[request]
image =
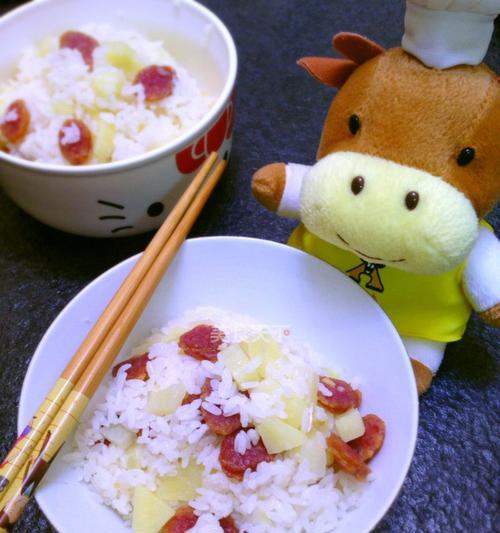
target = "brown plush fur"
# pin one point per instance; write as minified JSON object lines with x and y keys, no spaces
{"x":268,"y":184}
{"x":423,"y":118}
{"x":423,"y":376}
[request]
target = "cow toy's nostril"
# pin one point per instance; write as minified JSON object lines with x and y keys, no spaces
{"x":411,"y":200}
{"x":357,"y":184}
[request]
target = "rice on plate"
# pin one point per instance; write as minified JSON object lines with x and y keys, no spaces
{"x":219,"y":424}
{"x":97,"y":95}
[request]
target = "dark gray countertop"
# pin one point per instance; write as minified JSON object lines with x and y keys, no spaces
{"x":453,"y":481}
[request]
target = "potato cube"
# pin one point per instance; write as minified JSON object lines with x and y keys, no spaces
{"x":119,"y":435}
{"x":294,"y":408}
{"x":104,"y":141}
{"x":278,"y":436}
{"x":314,"y":452}
{"x":150,"y":513}
{"x":121,"y":56}
{"x":349,"y":425}
{"x":182,"y":486}
{"x":106,"y":84}
{"x":236,"y":360}
{"x":131,"y":459}
{"x":174,"y":334}
{"x":264,"y":347}
{"x":62,"y":107}
{"x":164,"y":402}
{"x":46,"y":46}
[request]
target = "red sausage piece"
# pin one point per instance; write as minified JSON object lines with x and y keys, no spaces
{"x":234,"y":464}
{"x":202,"y":342}
{"x":137,"y":370}
{"x":75,"y":141}
{"x":228,"y":525}
{"x":345,"y":458}
{"x":157,"y":80}
{"x":85,"y":44}
{"x":219,"y":424}
{"x":183,"y":520}
{"x":368,"y":445}
{"x":16,"y":121}
{"x":342,"y":398}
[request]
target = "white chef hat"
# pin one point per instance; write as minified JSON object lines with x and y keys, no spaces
{"x":445,"y":33}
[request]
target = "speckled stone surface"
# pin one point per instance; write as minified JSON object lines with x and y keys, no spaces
{"x":453,"y":481}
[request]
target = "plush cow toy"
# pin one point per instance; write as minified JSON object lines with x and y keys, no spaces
{"x":408,"y":166}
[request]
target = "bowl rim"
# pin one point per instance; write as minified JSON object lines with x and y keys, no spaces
{"x":113,"y":167}
{"x":414,"y":401}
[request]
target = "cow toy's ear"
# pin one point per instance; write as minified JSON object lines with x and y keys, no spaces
{"x":356,"y":47}
{"x":334,"y":72}
{"x":328,"y":70}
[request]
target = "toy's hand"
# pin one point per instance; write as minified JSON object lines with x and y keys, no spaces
{"x":268,"y":184}
{"x":423,"y":376}
{"x":492,"y":316}
{"x":277,"y":187}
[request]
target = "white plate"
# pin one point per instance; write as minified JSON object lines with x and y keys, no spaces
{"x":277,"y":285}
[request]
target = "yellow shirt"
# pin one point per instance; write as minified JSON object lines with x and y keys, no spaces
{"x":430,"y":307}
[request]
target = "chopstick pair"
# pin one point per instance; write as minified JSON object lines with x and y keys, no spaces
{"x":38,"y":445}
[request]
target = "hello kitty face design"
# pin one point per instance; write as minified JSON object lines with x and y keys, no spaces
{"x":117,"y":213}
{"x":186,"y":162}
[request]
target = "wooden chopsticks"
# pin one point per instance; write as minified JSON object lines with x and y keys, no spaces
{"x":39,"y":443}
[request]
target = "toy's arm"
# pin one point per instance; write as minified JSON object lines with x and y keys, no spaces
{"x":482,"y":277}
{"x":277,"y":187}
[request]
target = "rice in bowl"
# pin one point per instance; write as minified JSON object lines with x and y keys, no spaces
{"x":63,"y":84}
{"x":162,"y":444}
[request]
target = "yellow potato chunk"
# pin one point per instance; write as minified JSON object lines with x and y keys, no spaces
{"x":119,"y":435}
{"x":131,"y":459}
{"x":182,"y":486}
{"x":62,"y":107}
{"x":294,"y":408}
{"x":314,"y":452}
{"x":150,"y":513}
{"x":278,"y":436}
{"x":104,"y":144}
{"x":46,"y":46}
{"x":236,"y":360}
{"x":174,"y":334}
{"x":349,"y":425}
{"x":264,"y":347}
{"x":107,"y":84}
{"x":121,"y":56}
{"x":164,"y":402}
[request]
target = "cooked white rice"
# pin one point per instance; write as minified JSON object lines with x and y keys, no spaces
{"x":56,"y":85}
{"x":280,"y":496}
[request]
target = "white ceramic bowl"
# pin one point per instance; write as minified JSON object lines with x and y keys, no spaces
{"x":134,"y":195}
{"x":277,"y":285}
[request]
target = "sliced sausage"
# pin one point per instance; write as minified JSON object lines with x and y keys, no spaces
{"x":235,"y":464}
{"x":368,"y":445}
{"x":85,"y":44}
{"x":183,"y":520}
{"x":137,"y":370}
{"x":75,"y":141}
{"x":157,"y":81}
{"x":202,"y":342}
{"x":342,"y":396}
{"x":16,"y":121}
{"x":219,"y":424}
{"x":345,"y":458}
{"x":228,"y":525}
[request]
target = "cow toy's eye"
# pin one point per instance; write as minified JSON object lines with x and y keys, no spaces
{"x":354,"y":124}
{"x":466,"y":156}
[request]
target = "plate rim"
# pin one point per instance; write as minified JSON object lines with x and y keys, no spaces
{"x":414,"y":401}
